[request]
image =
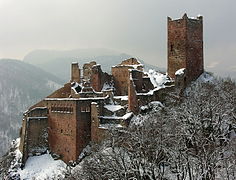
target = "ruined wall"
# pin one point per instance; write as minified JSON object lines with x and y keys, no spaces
{"x":97,"y":78}
{"x":185,"y":46}
{"x":121,"y":75}
{"x":75,"y":73}
{"x":87,"y":70}
{"x":83,"y":125}
{"x":37,"y":135}
{"x":121,"y":79}
{"x":133,"y":104}
{"x":147,"y":84}
{"x":97,"y":134}
{"x":34,"y":135}
{"x":137,"y":77}
{"x":62,"y":121}
{"x":133,"y":63}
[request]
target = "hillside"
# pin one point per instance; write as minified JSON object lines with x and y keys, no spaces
{"x":58,"y":62}
{"x":21,"y":85}
{"x":188,"y":138}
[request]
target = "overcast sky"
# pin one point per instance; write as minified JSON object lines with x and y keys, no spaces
{"x":135,"y":27}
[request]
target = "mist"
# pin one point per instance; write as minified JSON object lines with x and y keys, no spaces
{"x":135,"y":27}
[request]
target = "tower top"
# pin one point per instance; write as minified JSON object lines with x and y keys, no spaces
{"x":185,"y":46}
{"x":185,"y":17}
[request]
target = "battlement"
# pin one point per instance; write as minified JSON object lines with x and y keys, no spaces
{"x":185,"y":17}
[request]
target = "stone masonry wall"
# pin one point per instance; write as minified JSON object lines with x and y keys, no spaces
{"x":121,"y":79}
{"x":185,"y":46}
{"x":75,"y":73}
{"x":62,"y":121}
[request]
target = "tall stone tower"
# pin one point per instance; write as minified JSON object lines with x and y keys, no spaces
{"x":185,"y":46}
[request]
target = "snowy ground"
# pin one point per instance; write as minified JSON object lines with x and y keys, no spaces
{"x":42,"y":167}
{"x":36,"y":167}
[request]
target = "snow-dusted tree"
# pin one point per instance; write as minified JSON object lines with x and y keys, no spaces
{"x":207,"y":117}
{"x":191,"y":139}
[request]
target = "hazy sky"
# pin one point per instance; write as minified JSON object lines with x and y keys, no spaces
{"x":136,"y":27}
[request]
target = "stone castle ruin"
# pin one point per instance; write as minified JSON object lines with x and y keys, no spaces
{"x":93,"y":101}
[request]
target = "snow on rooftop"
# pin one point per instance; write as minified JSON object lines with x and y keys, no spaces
{"x":76,"y":99}
{"x":113,"y":108}
{"x":42,"y":167}
{"x":180,"y":72}
{"x":74,"y":87}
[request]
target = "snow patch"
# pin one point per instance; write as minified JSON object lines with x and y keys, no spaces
{"x":123,"y":98}
{"x":42,"y":167}
{"x":180,"y":72}
{"x":107,"y":86}
{"x":113,"y":108}
{"x":156,"y":78}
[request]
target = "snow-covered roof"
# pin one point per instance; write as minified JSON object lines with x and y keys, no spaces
{"x":76,"y":87}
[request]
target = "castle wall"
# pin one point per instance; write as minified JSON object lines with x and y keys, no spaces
{"x":137,"y":77}
{"x":37,"y":135}
{"x":62,"y":121}
{"x":97,"y":134}
{"x":132,"y":98}
{"x":34,"y":135}
{"x":121,"y":75}
{"x":185,"y":46}
{"x":83,"y":125}
{"x":132,"y":62}
{"x":97,"y":78}
{"x":87,"y":70}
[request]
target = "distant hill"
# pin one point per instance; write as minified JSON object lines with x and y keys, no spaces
{"x":58,"y":62}
{"x":21,"y":85}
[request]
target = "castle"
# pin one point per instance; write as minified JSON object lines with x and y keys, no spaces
{"x":93,"y":101}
